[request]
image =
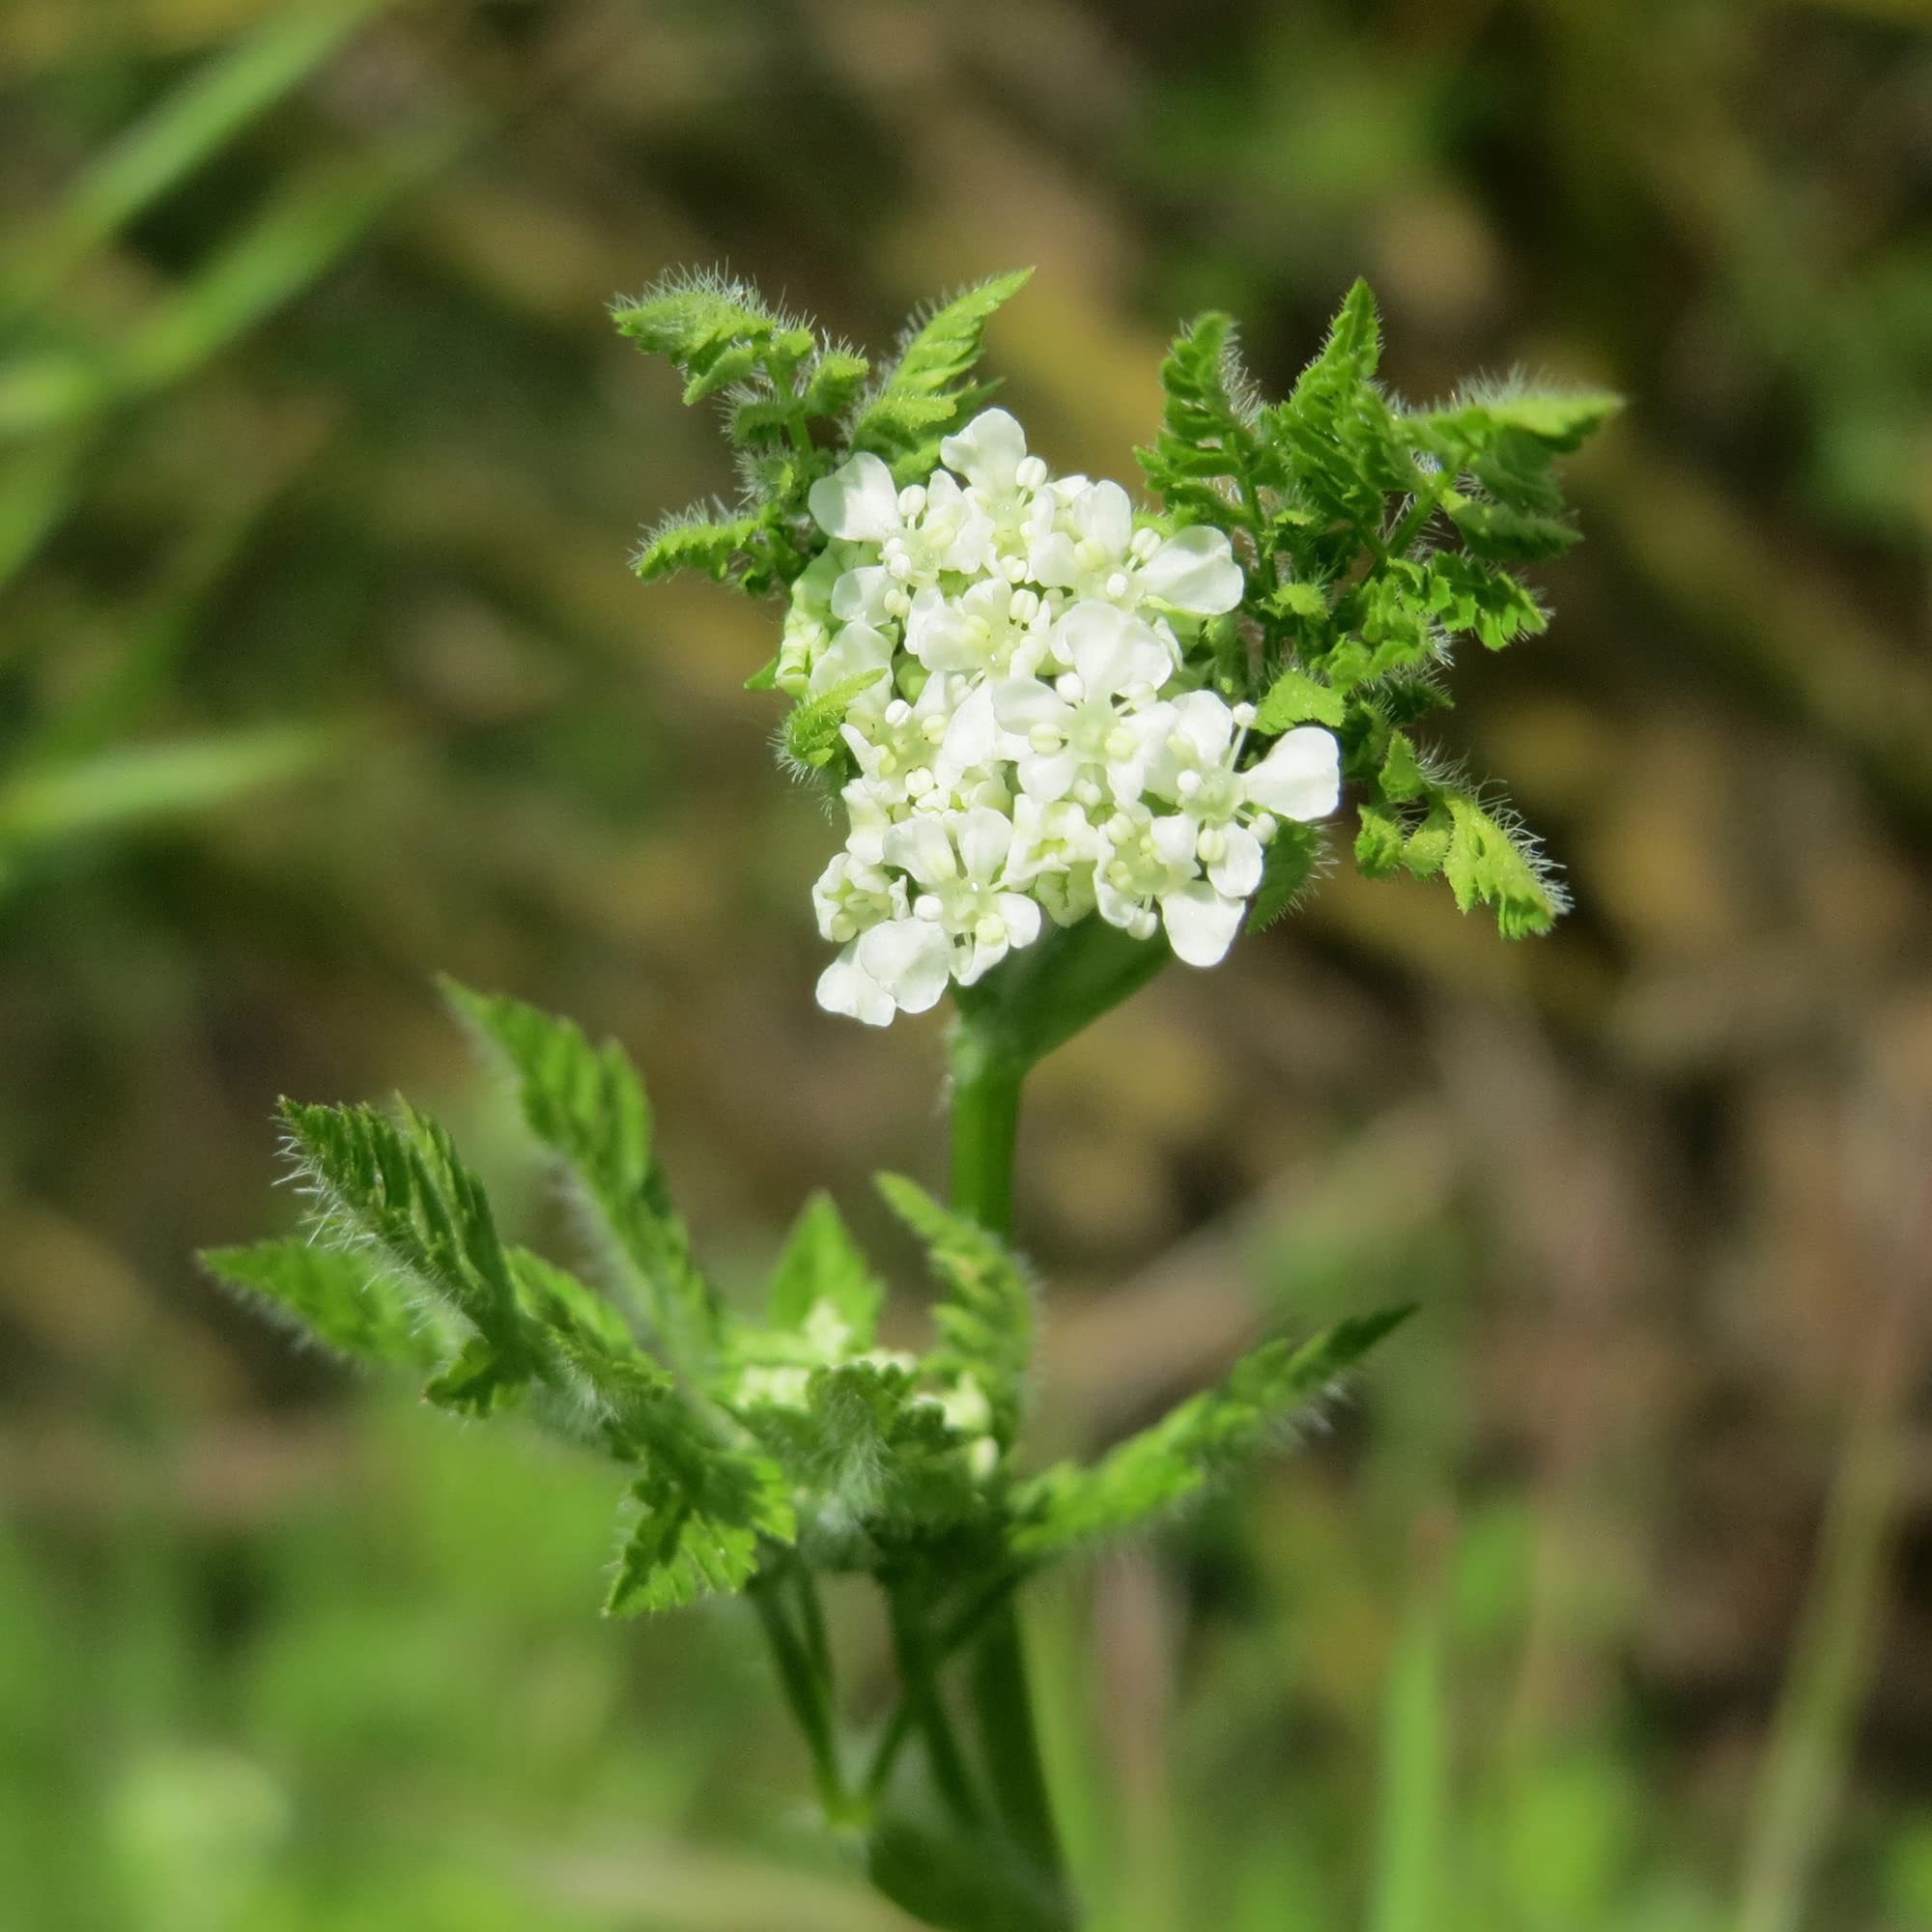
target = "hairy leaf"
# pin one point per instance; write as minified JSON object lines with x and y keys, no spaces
{"x":985,"y":1318}
{"x":1500,"y":867}
{"x":811,"y":727}
{"x":1296,"y":699}
{"x":927,"y":390}
{"x":821,"y":1267}
{"x":689,"y":1540}
{"x":1263,"y":1397}
{"x":588,"y":1106}
{"x":399,"y":1187}
{"x":345,"y":1299}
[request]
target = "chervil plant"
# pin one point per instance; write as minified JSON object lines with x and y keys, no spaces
{"x":1072,"y":740}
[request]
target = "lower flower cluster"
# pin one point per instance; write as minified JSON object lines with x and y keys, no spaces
{"x":1030,"y":738}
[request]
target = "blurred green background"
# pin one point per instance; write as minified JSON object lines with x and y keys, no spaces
{"x":1609,"y":1605}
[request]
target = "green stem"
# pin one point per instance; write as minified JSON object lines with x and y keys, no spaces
{"x":1002,"y":1702}
{"x":985,"y":1129}
{"x":807,"y":1691}
{"x":920,"y":1681}
{"x":963,"y":1627}
{"x":1000,"y":1033}
{"x":1421,"y":508}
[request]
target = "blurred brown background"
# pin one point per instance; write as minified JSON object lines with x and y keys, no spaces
{"x":320,"y":670}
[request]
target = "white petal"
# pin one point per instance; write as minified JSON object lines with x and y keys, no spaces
{"x":1114,"y":905}
{"x":856,"y":648}
{"x":911,"y":958}
{"x":985,"y":838}
{"x":859,"y":501}
{"x":987,"y":451}
{"x":1020,"y":703}
{"x":1201,"y":924}
{"x":1048,"y":778}
{"x":941,"y":635}
{"x":1105,"y":514}
{"x":920,"y":846}
{"x":1126,"y":778}
{"x":1207,"y":722}
{"x":981,"y":959}
{"x":861,"y":594}
{"x":1096,"y":639}
{"x":1174,"y":844}
{"x":1050,"y":561}
{"x":973,"y":733}
{"x":1194,"y":571}
{"x":846,"y":987}
{"x":1238,"y":870}
{"x":1022,"y":917}
{"x":1112,"y":655}
{"x":1301,"y":775}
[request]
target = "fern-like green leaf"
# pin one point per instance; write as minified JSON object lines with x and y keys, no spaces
{"x":588,"y":1106}
{"x":1264,"y":1398}
{"x":1296,"y":699}
{"x":928,"y":390}
{"x":1493,"y":864}
{"x":683,"y":1542}
{"x":821,"y":1268}
{"x":341,"y":1297}
{"x":693,"y":542}
{"x":811,"y":727}
{"x":985,"y":1318}
{"x":399,"y":1187}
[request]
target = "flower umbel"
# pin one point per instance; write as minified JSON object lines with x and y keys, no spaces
{"x":1043,"y":740}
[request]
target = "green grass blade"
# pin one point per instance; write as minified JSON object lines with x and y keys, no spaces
{"x":1408,"y":1876}
{"x":138,"y":782}
{"x":1805,"y":1761}
{"x":179,"y":133}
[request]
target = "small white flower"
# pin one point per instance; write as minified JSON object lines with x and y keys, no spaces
{"x":852,"y":894}
{"x":991,"y":630}
{"x":1055,"y":849}
{"x":1147,"y":863}
{"x":899,"y":967}
{"x":898,"y":745}
{"x":1234,"y":810}
{"x":866,"y":594}
{"x":859,"y":501}
{"x":960,"y":863}
{"x":1081,"y":543}
{"x":1090,"y":547}
{"x":920,"y":530}
{"x":1092,"y":729}
{"x":809,"y":617}
{"x":991,"y":454}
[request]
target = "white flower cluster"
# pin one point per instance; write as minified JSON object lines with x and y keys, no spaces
{"x":1028,"y":736}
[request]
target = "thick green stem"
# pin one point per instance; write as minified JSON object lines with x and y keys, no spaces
{"x":1003,"y":1703}
{"x":985,"y":1129}
{"x":1007,"y":1023}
